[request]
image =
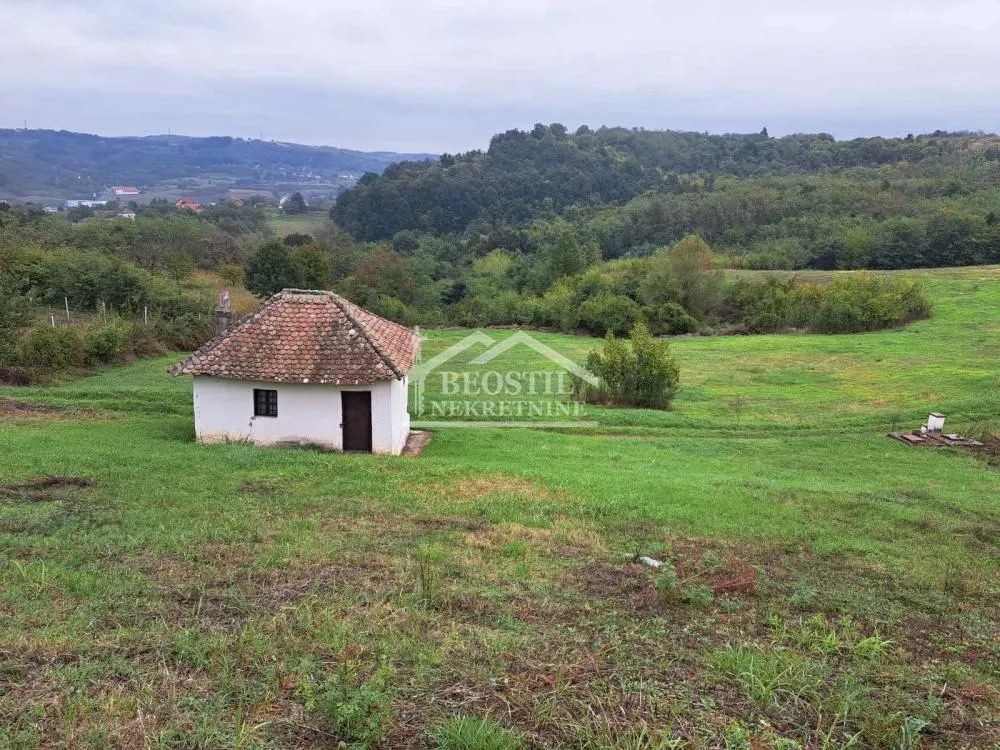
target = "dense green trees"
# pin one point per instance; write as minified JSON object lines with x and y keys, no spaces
{"x":795,"y":202}
{"x":271,"y":269}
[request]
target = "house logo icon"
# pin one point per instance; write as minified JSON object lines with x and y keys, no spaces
{"x":475,"y":394}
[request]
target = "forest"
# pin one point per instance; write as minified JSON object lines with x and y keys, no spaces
{"x":801,"y":201}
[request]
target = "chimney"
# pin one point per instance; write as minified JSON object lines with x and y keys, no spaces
{"x":223,"y":317}
{"x":223,"y":320}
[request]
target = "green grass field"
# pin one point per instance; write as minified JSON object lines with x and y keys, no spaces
{"x":826,"y":588}
{"x":284,"y":224}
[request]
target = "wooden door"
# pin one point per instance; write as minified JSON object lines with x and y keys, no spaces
{"x":357,"y":420}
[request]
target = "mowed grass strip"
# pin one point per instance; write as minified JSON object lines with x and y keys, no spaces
{"x":823,"y":586}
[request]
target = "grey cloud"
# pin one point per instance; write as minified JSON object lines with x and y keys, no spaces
{"x":443,"y":75}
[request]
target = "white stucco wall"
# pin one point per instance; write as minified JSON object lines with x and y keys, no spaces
{"x":307,"y":413}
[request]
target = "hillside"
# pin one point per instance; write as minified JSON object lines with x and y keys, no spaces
{"x":824,"y":586}
{"x":791,"y":202}
{"x":60,"y":164}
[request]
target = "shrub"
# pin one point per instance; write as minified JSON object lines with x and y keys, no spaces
{"x":849,"y":304}
{"x":107,"y":342}
{"x":184,"y":332}
{"x":85,"y":279}
{"x":610,"y":313}
{"x":862,"y":302}
{"x":142,"y":341}
{"x":669,"y":319}
{"x":644,"y":374}
{"x":558,"y":308}
{"x":15,"y":313}
{"x":357,"y":705}
{"x":52,"y":348}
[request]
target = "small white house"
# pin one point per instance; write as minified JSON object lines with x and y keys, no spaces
{"x":308,"y":368}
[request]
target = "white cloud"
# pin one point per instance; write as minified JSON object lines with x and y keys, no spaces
{"x":786,"y":58}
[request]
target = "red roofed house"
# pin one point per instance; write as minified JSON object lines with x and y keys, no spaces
{"x":308,"y":368}
{"x":124,"y":190}
{"x":187,"y":203}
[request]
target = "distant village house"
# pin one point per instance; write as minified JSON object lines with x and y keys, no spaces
{"x":308,"y":368}
{"x":124,"y":190}
{"x":189,"y":205}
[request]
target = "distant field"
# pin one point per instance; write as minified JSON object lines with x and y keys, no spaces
{"x":831,"y":588}
{"x":284,"y":224}
{"x":815,"y":382}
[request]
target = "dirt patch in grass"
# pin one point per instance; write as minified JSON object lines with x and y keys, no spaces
{"x":498,"y":485}
{"x":13,"y":409}
{"x":10,"y":407}
{"x":223,"y":598}
{"x":45,"y":489}
{"x":563,"y":538}
{"x":360,"y":574}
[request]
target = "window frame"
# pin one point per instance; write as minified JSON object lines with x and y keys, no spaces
{"x":265,"y":402}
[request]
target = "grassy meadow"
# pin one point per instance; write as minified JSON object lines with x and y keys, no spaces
{"x":283,"y":224}
{"x":824,"y":586}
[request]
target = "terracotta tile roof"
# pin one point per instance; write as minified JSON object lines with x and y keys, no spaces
{"x":301,"y":336}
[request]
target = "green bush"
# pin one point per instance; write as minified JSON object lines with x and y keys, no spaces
{"x":558,"y":308}
{"x":610,"y":313}
{"x":862,"y":302}
{"x":357,"y":705}
{"x":52,"y":348}
{"x":142,"y":341}
{"x":185,"y":332}
{"x":644,"y":374}
{"x":669,"y":319}
{"x":850,"y":303}
{"x":15,"y":313}
{"x":107,"y":342}
{"x":86,"y":279}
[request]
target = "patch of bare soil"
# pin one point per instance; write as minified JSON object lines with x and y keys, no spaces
{"x":10,"y":407}
{"x":45,"y":489}
{"x":13,"y":409}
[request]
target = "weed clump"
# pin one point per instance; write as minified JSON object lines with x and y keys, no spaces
{"x":474,"y":733}
{"x":356,"y":702}
{"x":673,"y":589}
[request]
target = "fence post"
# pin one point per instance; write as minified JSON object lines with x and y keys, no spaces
{"x":66,"y":300}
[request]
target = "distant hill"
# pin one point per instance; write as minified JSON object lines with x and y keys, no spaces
{"x":50,"y":164}
{"x":524,"y":176}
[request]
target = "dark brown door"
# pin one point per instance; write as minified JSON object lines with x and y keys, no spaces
{"x":357,"y":410}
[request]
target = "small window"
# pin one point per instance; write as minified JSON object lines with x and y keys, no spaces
{"x":265,"y":403}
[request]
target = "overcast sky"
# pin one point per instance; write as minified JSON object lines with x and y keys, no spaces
{"x":438,"y":75}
